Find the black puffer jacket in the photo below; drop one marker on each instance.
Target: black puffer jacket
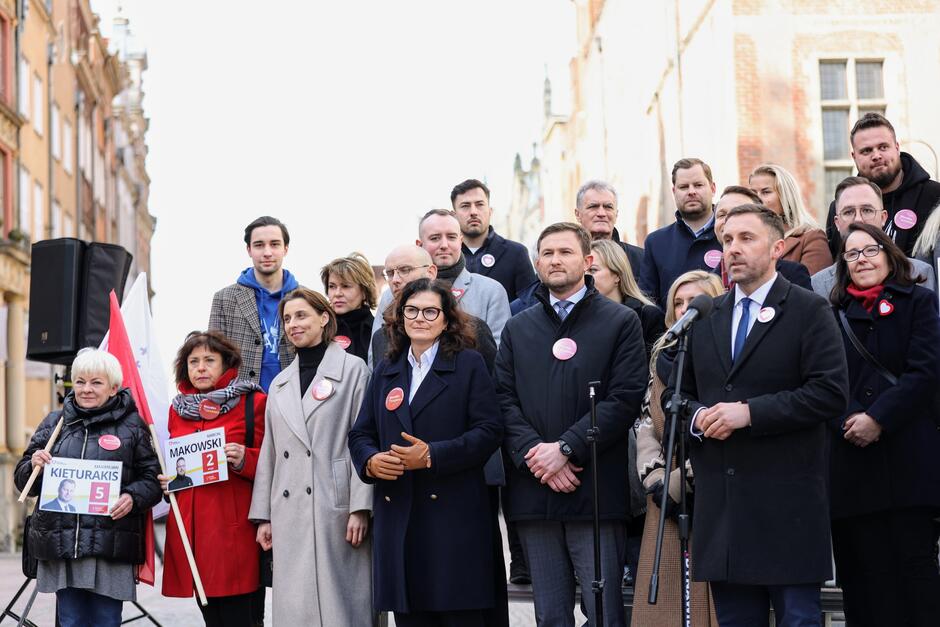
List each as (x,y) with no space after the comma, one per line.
(52,535)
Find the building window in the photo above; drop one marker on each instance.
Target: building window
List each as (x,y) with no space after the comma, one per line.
(24,191)
(38,205)
(56,219)
(37,104)
(6,65)
(848,89)
(67,145)
(54,133)
(23,88)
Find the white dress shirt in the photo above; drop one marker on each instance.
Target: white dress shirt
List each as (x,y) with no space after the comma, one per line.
(420,368)
(757,297)
(574,299)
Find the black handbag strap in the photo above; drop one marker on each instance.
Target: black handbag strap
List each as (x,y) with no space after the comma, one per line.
(860,348)
(250,420)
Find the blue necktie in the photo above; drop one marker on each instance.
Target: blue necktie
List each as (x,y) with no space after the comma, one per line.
(562,307)
(741,334)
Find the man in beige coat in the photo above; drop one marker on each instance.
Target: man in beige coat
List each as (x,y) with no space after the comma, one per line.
(306,487)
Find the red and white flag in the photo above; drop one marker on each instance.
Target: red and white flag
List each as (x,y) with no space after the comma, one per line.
(119,345)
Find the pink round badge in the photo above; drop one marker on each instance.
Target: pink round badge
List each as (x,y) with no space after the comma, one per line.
(394,399)
(564,349)
(488,260)
(109,442)
(343,341)
(209,410)
(766,314)
(322,390)
(905,219)
(713,258)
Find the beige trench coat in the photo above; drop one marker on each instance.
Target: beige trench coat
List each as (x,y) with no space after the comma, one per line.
(306,486)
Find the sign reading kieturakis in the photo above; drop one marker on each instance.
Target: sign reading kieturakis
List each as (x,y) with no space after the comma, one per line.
(80,486)
(198,459)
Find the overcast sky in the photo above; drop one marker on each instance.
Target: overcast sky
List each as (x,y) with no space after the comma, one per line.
(346,120)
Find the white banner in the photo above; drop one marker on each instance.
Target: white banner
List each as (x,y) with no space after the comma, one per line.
(197,458)
(80,486)
(140,330)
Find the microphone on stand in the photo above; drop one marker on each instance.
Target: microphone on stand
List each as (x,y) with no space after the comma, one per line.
(700,307)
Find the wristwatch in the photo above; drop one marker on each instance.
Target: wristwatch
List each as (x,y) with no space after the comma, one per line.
(566,449)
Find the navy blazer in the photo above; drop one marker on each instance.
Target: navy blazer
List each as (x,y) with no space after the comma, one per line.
(511,264)
(433,532)
(761,505)
(901,469)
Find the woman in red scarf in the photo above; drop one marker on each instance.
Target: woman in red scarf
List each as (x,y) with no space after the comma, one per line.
(884,473)
(215,515)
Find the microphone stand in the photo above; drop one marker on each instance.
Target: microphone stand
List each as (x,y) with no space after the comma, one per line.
(598,584)
(678,414)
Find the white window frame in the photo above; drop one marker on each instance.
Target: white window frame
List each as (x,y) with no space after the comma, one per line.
(37,104)
(55,133)
(24,88)
(852,103)
(39,204)
(25,196)
(67,134)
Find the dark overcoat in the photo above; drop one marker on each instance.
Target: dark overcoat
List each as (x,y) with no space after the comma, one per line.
(901,469)
(545,399)
(433,532)
(761,508)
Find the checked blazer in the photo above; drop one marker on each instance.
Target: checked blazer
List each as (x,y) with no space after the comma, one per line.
(235,313)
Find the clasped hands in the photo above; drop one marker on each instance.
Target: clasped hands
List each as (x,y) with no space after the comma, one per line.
(722,419)
(861,430)
(549,465)
(392,464)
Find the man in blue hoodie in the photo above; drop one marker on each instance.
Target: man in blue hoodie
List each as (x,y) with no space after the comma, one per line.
(246,312)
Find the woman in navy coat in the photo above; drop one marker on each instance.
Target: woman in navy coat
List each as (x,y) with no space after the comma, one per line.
(428,423)
(885,451)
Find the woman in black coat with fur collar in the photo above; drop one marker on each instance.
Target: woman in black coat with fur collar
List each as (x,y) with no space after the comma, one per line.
(885,451)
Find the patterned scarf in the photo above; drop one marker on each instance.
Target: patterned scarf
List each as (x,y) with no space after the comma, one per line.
(187,405)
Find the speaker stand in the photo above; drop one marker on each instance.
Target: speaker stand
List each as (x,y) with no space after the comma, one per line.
(8,611)
(143,614)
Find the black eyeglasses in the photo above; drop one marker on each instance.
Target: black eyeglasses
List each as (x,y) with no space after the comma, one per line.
(429,313)
(871,250)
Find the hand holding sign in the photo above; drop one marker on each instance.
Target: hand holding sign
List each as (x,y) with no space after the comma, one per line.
(235,454)
(40,458)
(123,507)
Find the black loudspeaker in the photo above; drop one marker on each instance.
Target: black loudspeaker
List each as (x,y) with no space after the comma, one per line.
(69,290)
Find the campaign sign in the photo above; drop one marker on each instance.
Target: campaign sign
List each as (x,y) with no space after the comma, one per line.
(196,459)
(80,486)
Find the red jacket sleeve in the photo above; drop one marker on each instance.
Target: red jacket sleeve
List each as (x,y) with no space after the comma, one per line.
(251,454)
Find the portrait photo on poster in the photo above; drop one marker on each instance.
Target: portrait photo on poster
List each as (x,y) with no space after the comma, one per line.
(80,486)
(197,459)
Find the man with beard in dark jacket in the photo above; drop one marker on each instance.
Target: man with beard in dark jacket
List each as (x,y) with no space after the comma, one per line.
(548,355)
(907,192)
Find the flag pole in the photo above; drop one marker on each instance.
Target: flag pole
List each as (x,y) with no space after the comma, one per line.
(38,469)
(197,580)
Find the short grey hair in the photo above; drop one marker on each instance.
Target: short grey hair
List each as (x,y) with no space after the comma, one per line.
(92,361)
(597,185)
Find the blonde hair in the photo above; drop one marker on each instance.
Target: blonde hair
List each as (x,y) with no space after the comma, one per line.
(795,214)
(356,269)
(612,255)
(927,239)
(710,284)
(92,361)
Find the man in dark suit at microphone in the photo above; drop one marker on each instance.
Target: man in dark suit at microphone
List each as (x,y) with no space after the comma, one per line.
(764,373)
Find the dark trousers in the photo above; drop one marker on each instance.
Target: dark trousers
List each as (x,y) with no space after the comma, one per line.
(257,606)
(738,605)
(79,608)
(555,551)
(465,618)
(886,564)
(231,611)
